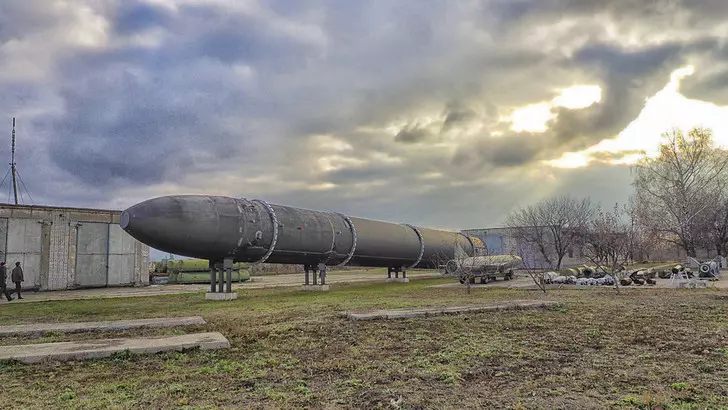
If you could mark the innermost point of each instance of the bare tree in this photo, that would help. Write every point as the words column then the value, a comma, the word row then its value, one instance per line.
column 552, row 226
column 677, row 189
column 533, row 265
column 715, row 235
column 642, row 241
column 609, row 240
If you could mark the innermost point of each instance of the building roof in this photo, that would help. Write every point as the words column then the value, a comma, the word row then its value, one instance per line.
column 59, row 208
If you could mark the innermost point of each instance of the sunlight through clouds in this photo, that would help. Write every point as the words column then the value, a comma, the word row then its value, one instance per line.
column 535, row 117
column 532, row 118
column 580, row 96
column 665, row 110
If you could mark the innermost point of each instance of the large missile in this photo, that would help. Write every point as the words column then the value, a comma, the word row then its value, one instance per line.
column 218, row 227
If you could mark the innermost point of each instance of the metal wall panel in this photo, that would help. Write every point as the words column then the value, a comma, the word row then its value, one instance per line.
column 494, row 244
column 92, row 243
column 24, row 238
column 122, row 249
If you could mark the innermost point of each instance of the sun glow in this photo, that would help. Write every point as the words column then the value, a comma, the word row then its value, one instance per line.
column 580, row 96
column 535, row 117
column 663, row 111
column 531, row 118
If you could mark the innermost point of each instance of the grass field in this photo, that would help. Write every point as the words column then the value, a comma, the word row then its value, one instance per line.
column 291, row 350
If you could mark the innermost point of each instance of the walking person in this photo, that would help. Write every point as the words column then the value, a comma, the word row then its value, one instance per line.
column 17, row 277
column 3, row 280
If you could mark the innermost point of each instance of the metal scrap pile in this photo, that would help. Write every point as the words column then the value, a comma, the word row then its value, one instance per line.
column 600, row 276
column 639, row 278
column 677, row 269
column 586, row 275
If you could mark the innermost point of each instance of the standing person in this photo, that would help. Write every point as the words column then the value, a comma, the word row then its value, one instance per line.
column 17, row 277
column 3, row 280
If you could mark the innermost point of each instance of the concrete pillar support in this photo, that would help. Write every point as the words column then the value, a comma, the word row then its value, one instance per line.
column 315, row 285
column 221, row 275
column 213, row 276
column 396, row 278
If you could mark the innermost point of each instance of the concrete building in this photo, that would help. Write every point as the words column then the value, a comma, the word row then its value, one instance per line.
column 68, row 248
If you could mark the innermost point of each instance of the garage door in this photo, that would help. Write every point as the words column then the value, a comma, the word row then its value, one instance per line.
column 121, row 256
column 23, row 239
column 92, row 241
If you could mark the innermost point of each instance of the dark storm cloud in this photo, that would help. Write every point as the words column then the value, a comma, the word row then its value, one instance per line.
column 514, row 10
column 459, row 113
column 371, row 172
column 135, row 16
column 235, row 37
column 712, row 87
column 19, row 19
column 509, row 150
column 608, row 157
column 712, row 83
column 138, row 135
column 626, row 77
column 413, row 133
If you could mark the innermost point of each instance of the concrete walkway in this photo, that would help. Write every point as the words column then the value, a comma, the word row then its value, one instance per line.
column 257, row 282
column 92, row 349
column 111, row 325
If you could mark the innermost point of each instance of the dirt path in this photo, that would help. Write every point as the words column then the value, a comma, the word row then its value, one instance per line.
column 257, row 282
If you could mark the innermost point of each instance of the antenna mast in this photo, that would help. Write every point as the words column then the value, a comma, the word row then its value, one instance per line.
column 12, row 165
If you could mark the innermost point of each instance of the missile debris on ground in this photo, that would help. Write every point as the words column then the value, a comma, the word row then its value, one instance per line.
column 432, row 311
column 115, row 325
column 93, row 349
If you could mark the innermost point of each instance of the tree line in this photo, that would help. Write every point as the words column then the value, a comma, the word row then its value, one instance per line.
column 679, row 197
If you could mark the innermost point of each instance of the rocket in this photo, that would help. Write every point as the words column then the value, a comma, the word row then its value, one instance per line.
column 226, row 228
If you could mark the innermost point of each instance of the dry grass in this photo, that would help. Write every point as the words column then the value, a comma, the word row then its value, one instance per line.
column 291, row 350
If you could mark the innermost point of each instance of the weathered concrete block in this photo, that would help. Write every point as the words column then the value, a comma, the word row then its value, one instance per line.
column 115, row 325
column 93, row 349
column 398, row 280
column 221, row 296
column 314, row 288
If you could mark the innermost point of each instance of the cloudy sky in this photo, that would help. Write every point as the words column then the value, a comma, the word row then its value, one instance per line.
column 440, row 113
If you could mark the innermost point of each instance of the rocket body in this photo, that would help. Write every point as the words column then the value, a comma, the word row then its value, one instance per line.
column 218, row 227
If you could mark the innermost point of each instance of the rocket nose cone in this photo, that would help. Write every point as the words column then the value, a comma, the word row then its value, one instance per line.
column 147, row 222
column 132, row 219
column 124, row 220
column 181, row 225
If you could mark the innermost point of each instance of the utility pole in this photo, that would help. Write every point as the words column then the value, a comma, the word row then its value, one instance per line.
column 12, row 165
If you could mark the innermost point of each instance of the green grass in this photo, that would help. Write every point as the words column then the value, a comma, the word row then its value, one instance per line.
column 290, row 349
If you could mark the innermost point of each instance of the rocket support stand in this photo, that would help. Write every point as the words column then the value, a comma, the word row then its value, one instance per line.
column 221, row 275
column 396, row 278
column 319, row 272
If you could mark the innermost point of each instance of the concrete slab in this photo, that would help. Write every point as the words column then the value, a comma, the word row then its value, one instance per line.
column 111, row 325
column 314, row 288
column 397, row 280
column 221, row 296
column 431, row 311
column 93, row 349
